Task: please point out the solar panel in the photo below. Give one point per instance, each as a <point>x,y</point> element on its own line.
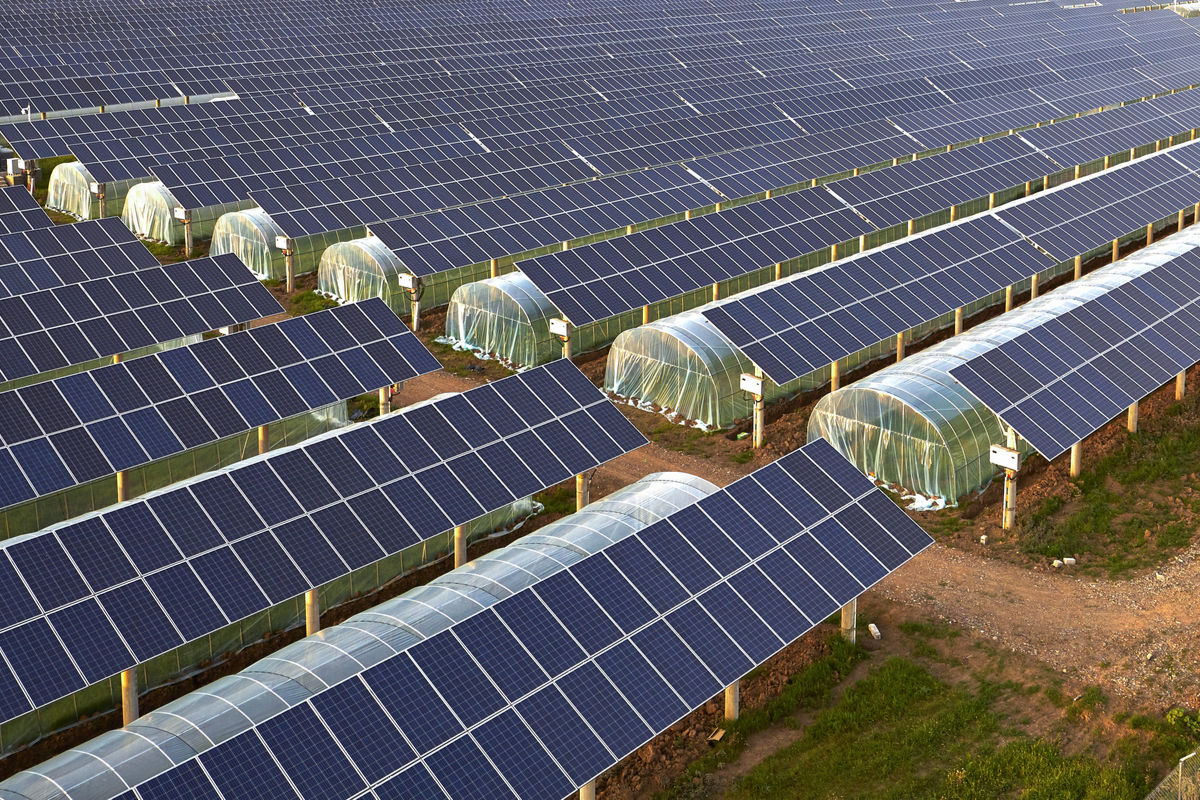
<point>67,431</point>
<point>611,277</point>
<point>148,575</point>
<point>74,294</point>
<point>1083,215</point>
<point>19,212</point>
<point>794,327</point>
<point>1066,378</point>
<point>590,683</point>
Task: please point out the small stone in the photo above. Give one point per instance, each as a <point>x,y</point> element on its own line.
<point>1057,563</point>
<point>983,539</point>
<point>1070,562</point>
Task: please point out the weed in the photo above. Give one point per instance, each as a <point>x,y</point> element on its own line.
<point>309,301</point>
<point>744,457</point>
<point>558,500</point>
<point>930,630</point>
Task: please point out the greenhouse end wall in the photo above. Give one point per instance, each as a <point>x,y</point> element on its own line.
<point>70,191</point>
<point>362,268</point>
<point>250,235</point>
<point>150,213</point>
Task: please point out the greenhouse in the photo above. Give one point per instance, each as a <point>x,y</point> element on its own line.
<point>230,705</point>
<point>362,268</point>
<point>684,364</point>
<point>250,235</point>
<point>913,425</point>
<point>70,191</point>
<point>150,213</point>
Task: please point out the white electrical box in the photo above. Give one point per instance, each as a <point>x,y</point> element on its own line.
<point>182,214</point>
<point>560,327</point>
<point>752,383</point>
<point>21,164</point>
<point>94,187</point>
<point>1005,457</point>
<point>409,281</point>
<point>14,166</point>
<point>283,243</point>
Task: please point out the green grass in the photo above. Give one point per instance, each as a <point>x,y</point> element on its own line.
<point>1105,523</point>
<point>901,733</point>
<point>744,457</point>
<point>309,301</point>
<point>558,500</point>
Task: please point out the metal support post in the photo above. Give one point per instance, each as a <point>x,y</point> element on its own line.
<point>899,347</point>
<point>835,378</point>
<point>716,292</point>
<point>385,400</point>
<point>566,245</point>
<point>98,189</point>
<point>1076,458</point>
<point>760,420</point>
<point>1010,486</point>
<point>850,621</point>
<point>733,700</point>
<point>184,215</point>
<point>1181,385</point>
<point>122,486</point>
<point>1028,187</point>
<point>833,252</point>
<point>779,270</point>
<point>492,269</point>
<point>953,213</point>
<point>912,223</point>
<point>129,696</point>
<point>958,321</point>
<point>415,288</point>
<point>31,169</point>
<point>1033,286</point>
<point>1078,167</point>
<point>312,612</point>
<point>1116,251</point>
<point>1132,417</point>
<point>583,490</point>
<point>1150,234</point>
<point>645,315</point>
<point>264,439</point>
<point>1008,298</point>
<point>1078,267</point>
<point>1106,161</point>
<point>588,791</point>
<point>1179,220</point>
<point>460,546</point>
<point>992,200</point>
<point>566,353</point>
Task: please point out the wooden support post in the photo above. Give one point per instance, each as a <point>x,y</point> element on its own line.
<point>733,700</point>
<point>850,621</point>
<point>264,439</point>
<point>460,546</point>
<point>1078,267</point>
<point>312,611</point>
<point>899,347</point>
<point>1076,459</point>
<point>129,696</point>
<point>1181,385</point>
<point>958,320</point>
<point>583,490</point>
<point>835,377</point>
<point>1131,418</point>
<point>1033,286</point>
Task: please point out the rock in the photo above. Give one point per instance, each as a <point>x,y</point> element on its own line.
<point>983,539</point>
<point>1057,563</point>
<point>1070,562</point>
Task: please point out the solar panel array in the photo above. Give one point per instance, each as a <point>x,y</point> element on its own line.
<point>64,432</point>
<point>554,685</point>
<point>75,295</point>
<point>1065,379</point>
<point>20,212</point>
<point>1084,215</point>
<point>795,327</point>
<point>92,597</point>
<point>619,275</point>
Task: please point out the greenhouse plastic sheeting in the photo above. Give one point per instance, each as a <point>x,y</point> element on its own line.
<point>251,234</point>
<point>201,720</point>
<point>70,191</point>
<point>913,425</point>
<point>150,213</point>
<point>364,268</point>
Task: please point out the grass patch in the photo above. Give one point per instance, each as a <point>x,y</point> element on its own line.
<point>558,499</point>
<point>744,457</point>
<point>808,689</point>
<point>309,301</point>
<point>901,733</point>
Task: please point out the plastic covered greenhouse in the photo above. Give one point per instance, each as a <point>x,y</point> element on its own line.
<point>104,767</point>
<point>70,191</point>
<point>170,475</point>
<point>150,213</point>
<point>251,234</point>
<point>364,268</point>
<point>912,424</point>
<point>683,363</point>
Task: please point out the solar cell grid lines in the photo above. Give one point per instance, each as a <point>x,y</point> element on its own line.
<point>1081,216</point>
<point>612,650</point>
<point>615,276</point>
<point>74,295</point>
<point>122,585</point>
<point>1066,378</point>
<point>20,212</point>
<point>67,431</point>
<point>800,325</point>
